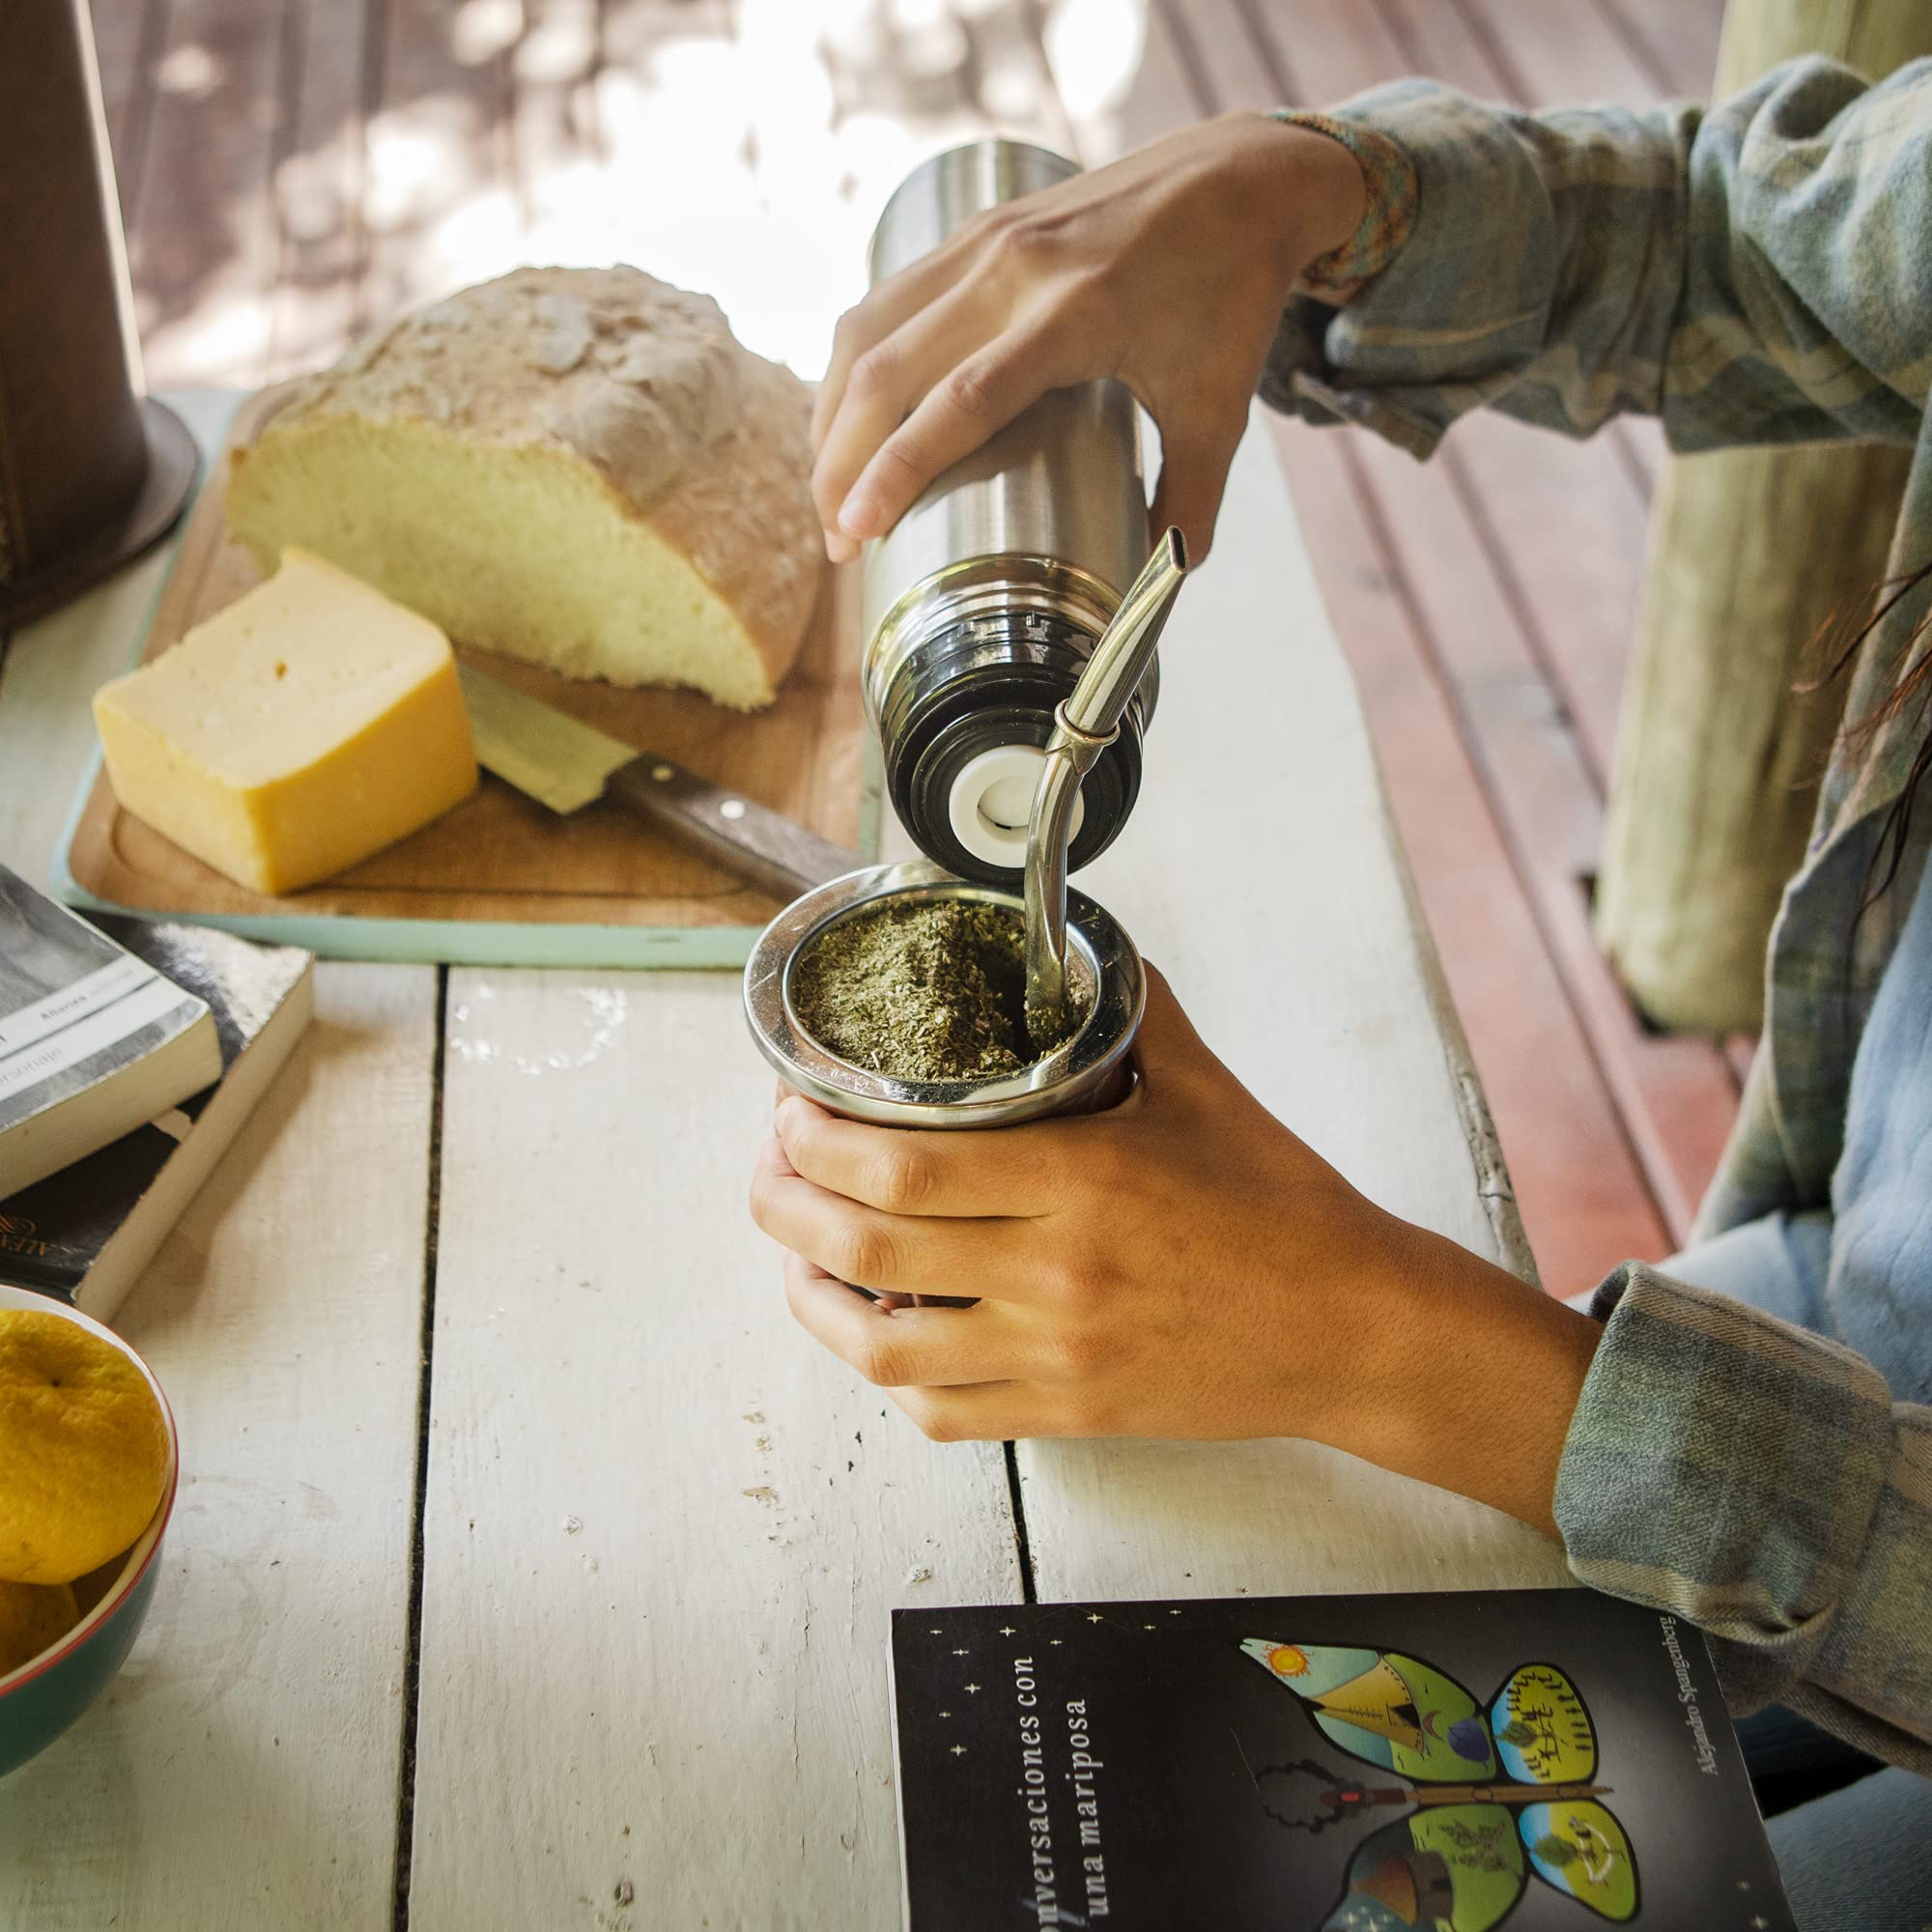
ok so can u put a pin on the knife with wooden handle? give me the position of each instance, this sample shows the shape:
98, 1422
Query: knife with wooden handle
565, 764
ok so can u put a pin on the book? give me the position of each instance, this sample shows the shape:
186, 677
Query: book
1542, 1759
86, 1232
93, 1039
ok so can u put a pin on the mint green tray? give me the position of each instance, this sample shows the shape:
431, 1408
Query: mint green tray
458, 941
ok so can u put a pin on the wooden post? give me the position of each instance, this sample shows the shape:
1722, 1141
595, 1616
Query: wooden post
1751, 553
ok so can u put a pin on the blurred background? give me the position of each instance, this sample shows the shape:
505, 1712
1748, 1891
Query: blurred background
293, 172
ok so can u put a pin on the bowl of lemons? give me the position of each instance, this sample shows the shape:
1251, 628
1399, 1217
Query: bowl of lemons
88, 1459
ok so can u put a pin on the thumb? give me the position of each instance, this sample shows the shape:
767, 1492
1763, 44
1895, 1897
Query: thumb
1194, 464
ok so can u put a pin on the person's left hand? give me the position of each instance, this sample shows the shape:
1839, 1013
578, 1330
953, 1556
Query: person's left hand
1182, 1266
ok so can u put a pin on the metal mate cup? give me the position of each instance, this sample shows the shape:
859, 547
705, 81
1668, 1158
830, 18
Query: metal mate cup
1084, 1075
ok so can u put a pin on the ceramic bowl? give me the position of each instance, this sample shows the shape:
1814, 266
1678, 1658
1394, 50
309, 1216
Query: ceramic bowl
48, 1693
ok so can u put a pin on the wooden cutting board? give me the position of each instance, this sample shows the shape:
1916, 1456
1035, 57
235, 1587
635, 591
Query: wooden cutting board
500, 880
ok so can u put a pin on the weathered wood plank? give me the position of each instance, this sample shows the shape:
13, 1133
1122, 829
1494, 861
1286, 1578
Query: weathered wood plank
1298, 957
557, 159
242, 1769
315, 302
1557, 50
708, 1676
1675, 1095
1559, 570
1585, 1198
1010, 78
1675, 43
1464, 45
664, 1527
127, 34
1148, 1518
1564, 532
675, 99
201, 237
1564, 522
440, 206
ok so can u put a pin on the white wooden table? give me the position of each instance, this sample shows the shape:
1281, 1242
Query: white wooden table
532, 1569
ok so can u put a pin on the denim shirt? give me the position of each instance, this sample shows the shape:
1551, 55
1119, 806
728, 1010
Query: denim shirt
1759, 272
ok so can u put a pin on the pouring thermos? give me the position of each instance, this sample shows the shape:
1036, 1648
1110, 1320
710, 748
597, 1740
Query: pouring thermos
983, 605
1011, 622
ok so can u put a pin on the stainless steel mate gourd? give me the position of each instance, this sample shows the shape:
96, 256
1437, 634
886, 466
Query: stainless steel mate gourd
982, 606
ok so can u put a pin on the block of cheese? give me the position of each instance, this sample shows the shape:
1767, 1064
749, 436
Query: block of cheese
577, 466
309, 724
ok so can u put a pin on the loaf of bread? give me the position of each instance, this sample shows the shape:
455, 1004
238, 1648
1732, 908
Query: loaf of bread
577, 466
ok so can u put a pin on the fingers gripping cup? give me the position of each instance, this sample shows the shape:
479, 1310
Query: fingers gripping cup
909, 1083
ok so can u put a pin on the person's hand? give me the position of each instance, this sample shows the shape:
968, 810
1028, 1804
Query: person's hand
1168, 268
1179, 1267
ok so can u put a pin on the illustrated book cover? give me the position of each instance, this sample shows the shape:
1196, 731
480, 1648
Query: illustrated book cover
1540, 1759
86, 1232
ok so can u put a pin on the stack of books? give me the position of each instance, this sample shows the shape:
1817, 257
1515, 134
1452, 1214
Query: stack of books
130, 1054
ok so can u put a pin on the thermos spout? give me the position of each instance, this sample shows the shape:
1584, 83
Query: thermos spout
1084, 726
1126, 647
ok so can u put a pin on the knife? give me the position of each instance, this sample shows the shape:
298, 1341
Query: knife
566, 764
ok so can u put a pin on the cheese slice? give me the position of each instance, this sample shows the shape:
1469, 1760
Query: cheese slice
307, 725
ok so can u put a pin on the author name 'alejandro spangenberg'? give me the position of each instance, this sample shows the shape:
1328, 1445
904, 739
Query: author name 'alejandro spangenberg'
1686, 1695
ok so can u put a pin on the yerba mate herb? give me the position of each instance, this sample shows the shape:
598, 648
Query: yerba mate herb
923, 990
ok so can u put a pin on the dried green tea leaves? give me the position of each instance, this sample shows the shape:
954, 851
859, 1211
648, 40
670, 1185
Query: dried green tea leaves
923, 990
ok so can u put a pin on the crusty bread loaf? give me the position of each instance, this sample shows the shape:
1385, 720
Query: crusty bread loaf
580, 466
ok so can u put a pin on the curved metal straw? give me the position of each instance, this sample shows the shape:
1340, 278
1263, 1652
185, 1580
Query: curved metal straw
1084, 726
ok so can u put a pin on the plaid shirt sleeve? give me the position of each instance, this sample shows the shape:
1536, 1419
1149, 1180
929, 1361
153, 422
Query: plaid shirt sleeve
1751, 272
1759, 1481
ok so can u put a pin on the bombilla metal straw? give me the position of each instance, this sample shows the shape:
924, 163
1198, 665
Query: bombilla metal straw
1084, 724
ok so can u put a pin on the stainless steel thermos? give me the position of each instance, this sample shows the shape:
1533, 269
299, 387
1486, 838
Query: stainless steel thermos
982, 606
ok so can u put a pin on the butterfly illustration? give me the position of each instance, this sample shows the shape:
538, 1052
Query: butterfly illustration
1499, 1795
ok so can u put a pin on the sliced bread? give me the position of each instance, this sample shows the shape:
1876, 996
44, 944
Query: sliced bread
577, 466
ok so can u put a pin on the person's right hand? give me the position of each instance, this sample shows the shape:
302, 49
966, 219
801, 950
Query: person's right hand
1168, 268
1182, 1264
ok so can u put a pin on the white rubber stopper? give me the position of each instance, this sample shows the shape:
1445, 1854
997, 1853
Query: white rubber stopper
992, 800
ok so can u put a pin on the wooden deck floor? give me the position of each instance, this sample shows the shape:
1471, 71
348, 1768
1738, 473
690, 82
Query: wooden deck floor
294, 171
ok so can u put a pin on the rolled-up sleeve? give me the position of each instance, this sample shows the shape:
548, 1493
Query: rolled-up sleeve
1753, 272
1759, 1481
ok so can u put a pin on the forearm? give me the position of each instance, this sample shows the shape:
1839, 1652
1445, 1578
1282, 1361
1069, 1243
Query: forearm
1474, 1383
1749, 270
1537, 273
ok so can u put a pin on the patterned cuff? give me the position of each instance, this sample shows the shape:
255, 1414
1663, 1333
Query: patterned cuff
1721, 1463
1393, 192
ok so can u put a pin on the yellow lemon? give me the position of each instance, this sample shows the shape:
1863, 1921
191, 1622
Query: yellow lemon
32, 1616
83, 1449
